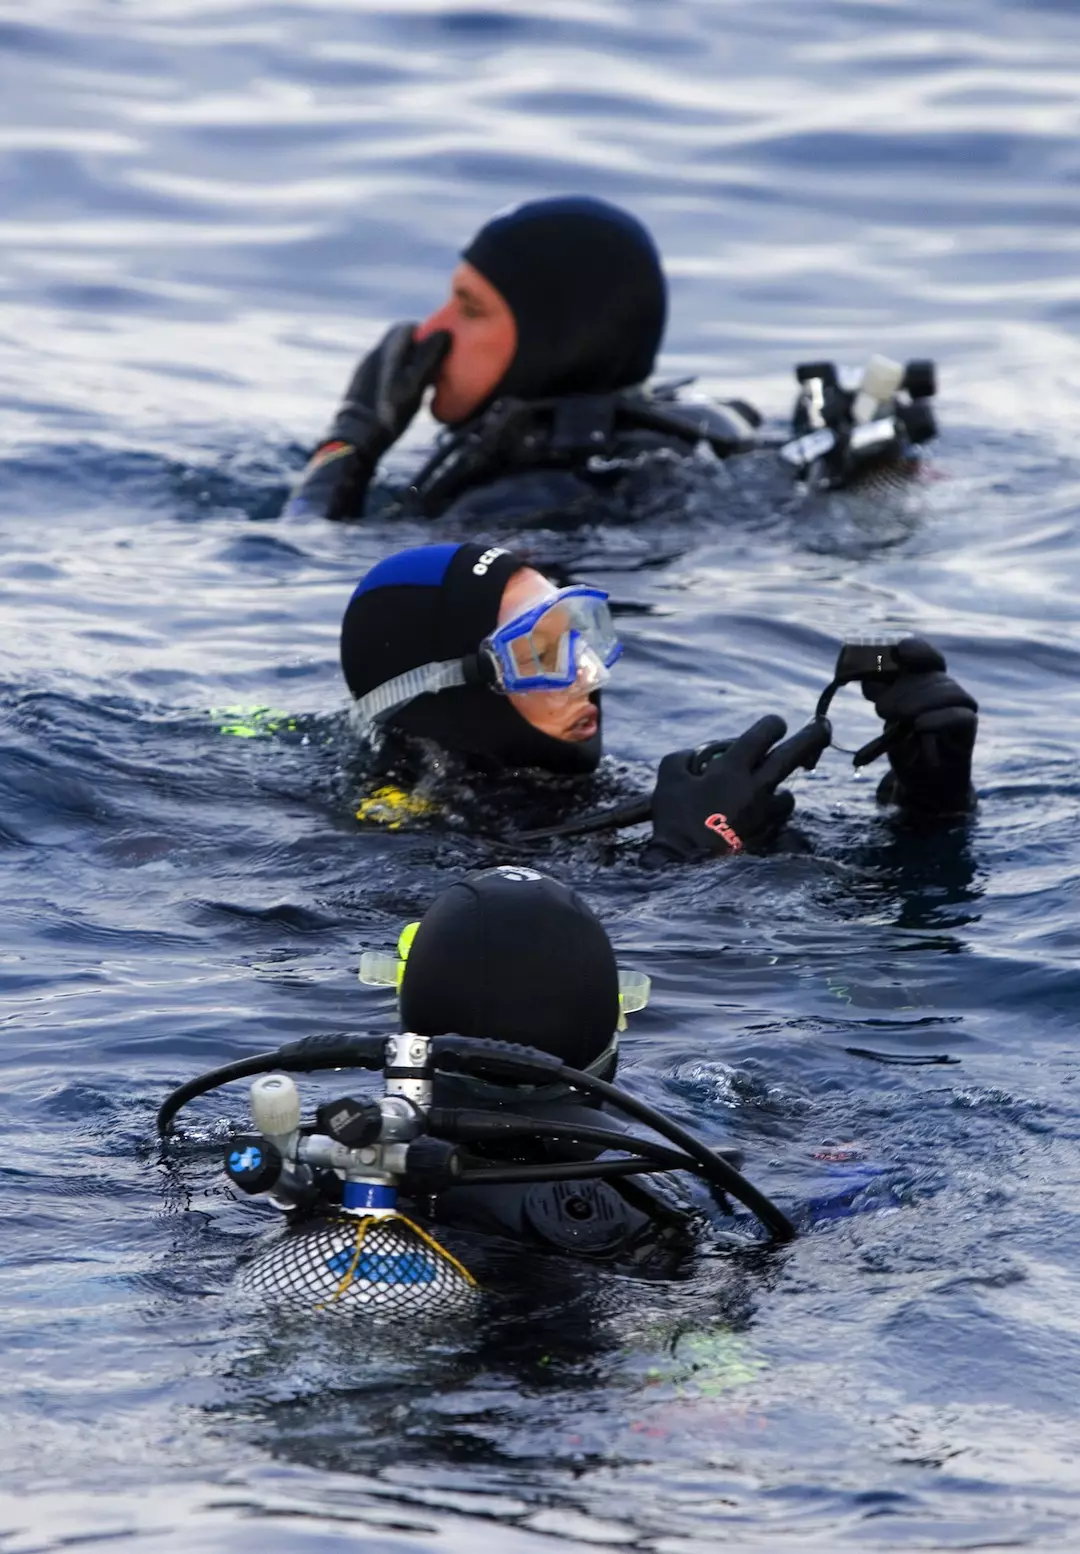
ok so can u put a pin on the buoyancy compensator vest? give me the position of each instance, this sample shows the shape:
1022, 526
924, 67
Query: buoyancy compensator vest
573, 432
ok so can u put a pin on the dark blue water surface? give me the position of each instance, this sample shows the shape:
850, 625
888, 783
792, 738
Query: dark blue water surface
209, 209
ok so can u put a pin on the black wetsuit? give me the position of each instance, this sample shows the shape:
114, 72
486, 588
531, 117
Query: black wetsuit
584, 284
527, 455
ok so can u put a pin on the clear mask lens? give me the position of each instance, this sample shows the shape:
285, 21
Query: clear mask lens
564, 642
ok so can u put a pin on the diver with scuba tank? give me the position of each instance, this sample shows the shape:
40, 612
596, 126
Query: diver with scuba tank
499, 1124
467, 650
538, 367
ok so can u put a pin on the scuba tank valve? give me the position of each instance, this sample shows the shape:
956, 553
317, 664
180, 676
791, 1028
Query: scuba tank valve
847, 423
880, 380
275, 1106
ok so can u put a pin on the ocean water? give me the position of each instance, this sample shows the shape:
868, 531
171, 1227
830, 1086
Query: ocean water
210, 209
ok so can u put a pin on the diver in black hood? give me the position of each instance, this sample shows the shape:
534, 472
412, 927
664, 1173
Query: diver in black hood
499, 1117
512, 954
499, 1127
538, 362
471, 650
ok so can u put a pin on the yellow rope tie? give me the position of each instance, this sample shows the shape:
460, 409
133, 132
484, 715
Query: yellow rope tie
437, 1246
361, 1231
417, 1230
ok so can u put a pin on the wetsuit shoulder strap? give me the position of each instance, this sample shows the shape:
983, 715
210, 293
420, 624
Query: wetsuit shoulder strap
560, 432
517, 434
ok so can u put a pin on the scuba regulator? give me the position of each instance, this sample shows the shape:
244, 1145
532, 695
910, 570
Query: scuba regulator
348, 1165
847, 424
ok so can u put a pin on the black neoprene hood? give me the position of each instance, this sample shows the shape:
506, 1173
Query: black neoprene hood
513, 954
584, 283
433, 604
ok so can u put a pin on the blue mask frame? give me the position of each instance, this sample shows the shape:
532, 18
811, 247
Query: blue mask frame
524, 665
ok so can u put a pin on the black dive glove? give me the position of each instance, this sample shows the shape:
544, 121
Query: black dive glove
723, 796
383, 396
930, 727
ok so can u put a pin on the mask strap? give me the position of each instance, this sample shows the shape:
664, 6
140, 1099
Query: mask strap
422, 681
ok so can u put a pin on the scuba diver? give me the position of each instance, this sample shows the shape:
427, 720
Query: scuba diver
538, 363
499, 1124
468, 650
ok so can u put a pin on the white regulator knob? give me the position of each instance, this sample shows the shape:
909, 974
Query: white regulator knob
275, 1104
879, 383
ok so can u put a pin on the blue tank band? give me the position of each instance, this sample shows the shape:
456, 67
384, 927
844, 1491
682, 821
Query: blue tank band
368, 1195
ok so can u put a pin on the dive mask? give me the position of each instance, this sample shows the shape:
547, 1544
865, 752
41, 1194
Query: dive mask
564, 641
550, 645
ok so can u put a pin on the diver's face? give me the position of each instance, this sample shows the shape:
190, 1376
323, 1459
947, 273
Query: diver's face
483, 339
565, 714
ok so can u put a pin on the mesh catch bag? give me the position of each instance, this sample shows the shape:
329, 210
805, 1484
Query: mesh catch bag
381, 1263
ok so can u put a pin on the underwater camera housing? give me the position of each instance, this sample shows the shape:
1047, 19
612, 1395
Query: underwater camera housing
847, 424
349, 1165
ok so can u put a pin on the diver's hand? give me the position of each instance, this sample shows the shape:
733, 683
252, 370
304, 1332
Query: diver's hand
930, 727
724, 797
386, 389
383, 395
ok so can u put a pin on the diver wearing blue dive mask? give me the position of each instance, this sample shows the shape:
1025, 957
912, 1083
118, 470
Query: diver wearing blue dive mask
564, 642
538, 366
468, 648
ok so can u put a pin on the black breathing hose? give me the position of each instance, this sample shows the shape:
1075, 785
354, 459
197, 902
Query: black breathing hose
569, 1171
713, 1167
506, 1062
503, 1061
297, 1057
631, 813
478, 1127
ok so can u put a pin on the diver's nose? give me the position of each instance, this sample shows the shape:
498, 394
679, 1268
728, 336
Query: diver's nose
440, 319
